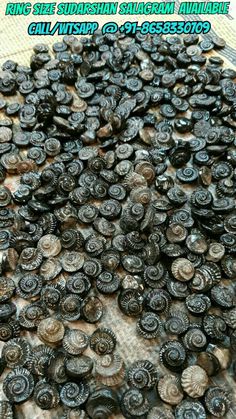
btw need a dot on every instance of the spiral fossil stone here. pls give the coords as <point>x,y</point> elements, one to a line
<point>75,341</point>
<point>194,381</point>
<point>117,171</point>
<point>46,396</point>
<point>51,331</point>
<point>134,403</point>
<point>142,374</point>
<point>103,341</point>
<point>110,370</point>
<point>18,385</point>
<point>169,389</point>
<point>16,352</point>
<point>217,401</point>
<point>73,394</point>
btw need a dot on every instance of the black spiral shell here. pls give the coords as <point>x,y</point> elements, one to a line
<point>173,355</point>
<point>74,394</point>
<point>75,341</point>
<point>92,267</point>
<point>142,375</point>
<point>18,385</point>
<point>177,323</point>
<point>130,302</point>
<point>87,213</point>
<point>46,395</point>
<point>198,304</point>
<point>79,284</point>
<point>134,403</point>
<point>70,307</point>
<point>149,325</point>
<point>155,275</point>
<point>32,314</point>
<point>177,289</point>
<point>194,339</point>
<point>103,341</point>
<point>30,259</point>
<point>39,359</point>
<point>158,300</point>
<point>72,239</point>
<point>16,352</point>
<point>215,326</point>
<point>51,295</point>
<point>217,401</point>
<point>107,282</point>
<point>193,408</point>
<point>9,329</point>
<point>29,286</point>
<point>102,403</point>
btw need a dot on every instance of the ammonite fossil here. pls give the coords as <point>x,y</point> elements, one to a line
<point>169,389</point>
<point>217,401</point>
<point>142,375</point>
<point>194,339</point>
<point>149,325</point>
<point>78,366</point>
<point>177,323</point>
<point>73,394</point>
<point>29,286</point>
<point>18,385</point>
<point>51,331</point>
<point>70,307</point>
<point>46,395</point>
<point>190,408</point>
<point>134,403</point>
<point>102,403</point>
<point>75,341</point>
<point>103,341</point>
<point>130,302</point>
<point>194,381</point>
<point>109,370</point>
<point>16,352</point>
<point>173,355</point>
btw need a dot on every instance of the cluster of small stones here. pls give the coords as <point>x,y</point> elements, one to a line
<point>124,154</point>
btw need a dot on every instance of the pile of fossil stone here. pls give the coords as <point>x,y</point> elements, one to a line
<point>117,170</point>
